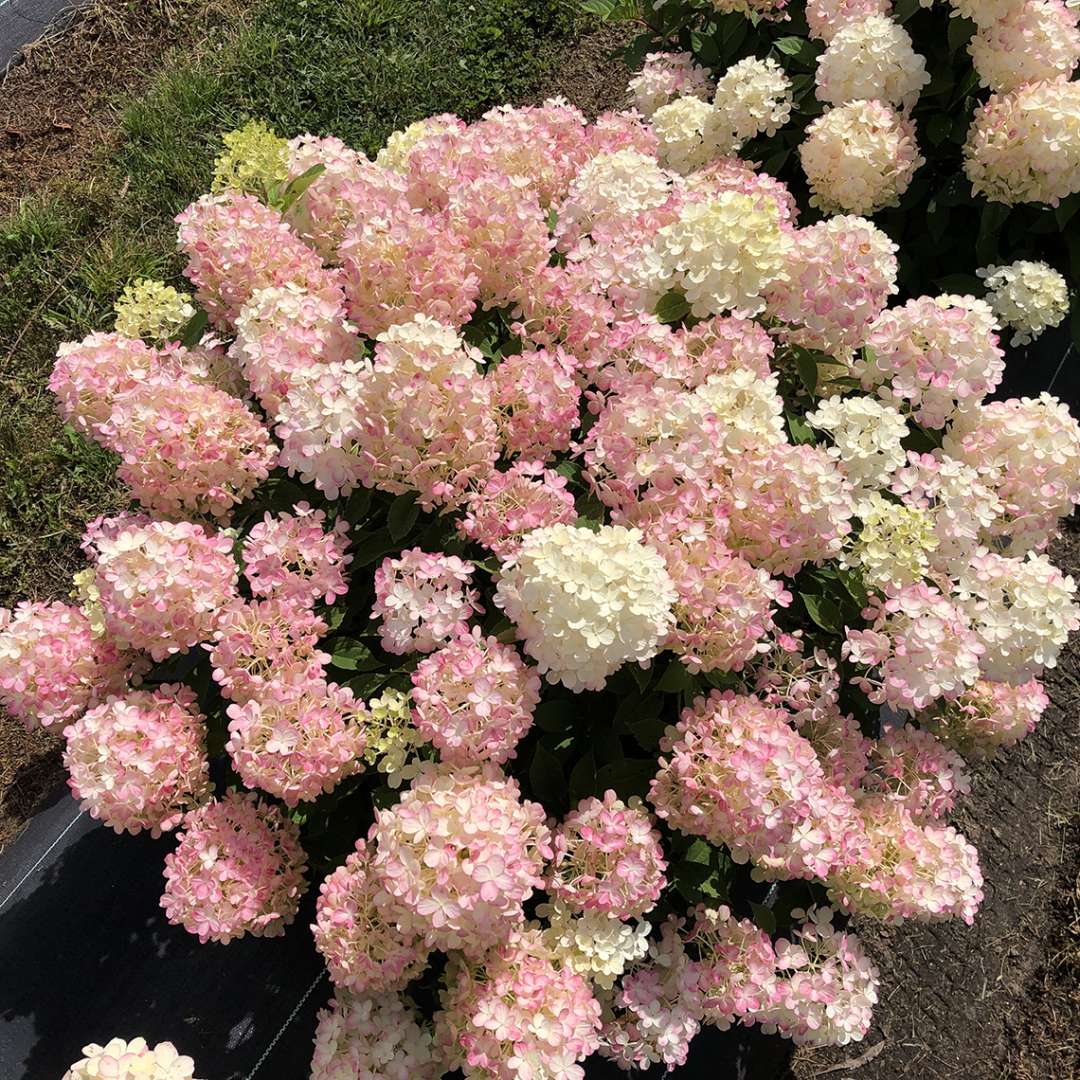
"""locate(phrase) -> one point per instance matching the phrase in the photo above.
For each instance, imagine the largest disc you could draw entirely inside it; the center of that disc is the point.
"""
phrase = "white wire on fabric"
(284, 1027)
(48, 851)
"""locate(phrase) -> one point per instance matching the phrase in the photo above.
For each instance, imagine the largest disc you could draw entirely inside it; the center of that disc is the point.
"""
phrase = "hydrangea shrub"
(954, 124)
(594, 601)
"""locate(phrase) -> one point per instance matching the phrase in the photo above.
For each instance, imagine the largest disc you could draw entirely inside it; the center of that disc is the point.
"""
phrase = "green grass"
(358, 69)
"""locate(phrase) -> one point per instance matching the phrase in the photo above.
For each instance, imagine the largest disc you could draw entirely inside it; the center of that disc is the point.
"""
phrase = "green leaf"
(961, 31)
(192, 334)
(546, 776)
(357, 507)
(672, 307)
(990, 225)
(764, 917)
(801, 432)
(351, 655)
(938, 128)
(583, 778)
(774, 164)
(296, 187)
(823, 611)
(801, 50)
(610, 10)
(402, 515)
(808, 369)
(675, 679)
(555, 716)
(627, 778)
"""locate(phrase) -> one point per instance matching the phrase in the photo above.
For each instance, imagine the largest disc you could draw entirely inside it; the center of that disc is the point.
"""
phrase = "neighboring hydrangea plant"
(531, 554)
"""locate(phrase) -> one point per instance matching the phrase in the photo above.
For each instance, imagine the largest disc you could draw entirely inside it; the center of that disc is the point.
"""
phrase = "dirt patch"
(30, 769)
(999, 1000)
(59, 99)
(589, 75)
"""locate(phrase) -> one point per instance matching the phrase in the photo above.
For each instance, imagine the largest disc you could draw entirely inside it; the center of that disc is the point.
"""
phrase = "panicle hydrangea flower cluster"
(161, 585)
(473, 699)
(597, 946)
(738, 775)
(423, 600)
(1024, 146)
(519, 1016)
(510, 505)
(296, 741)
(364, 950)
(608, 858)
(828, 986)
(54, 665)
(458, 856)
(152, 310)
(826, 18)
(1037, 41)
(989, 717)
(139, 761)
(893, 545)
(841, 274)
(295, 557)
(584, 603)
(390, 738)
(932, 356)
(915, 769)
(238, 869)
(381, 1035)
(752, 97)
(1028, 297)
(131, 1059)
(859, 157)
(871, 59)
(535, 396)
(665, 76)
(867, 437)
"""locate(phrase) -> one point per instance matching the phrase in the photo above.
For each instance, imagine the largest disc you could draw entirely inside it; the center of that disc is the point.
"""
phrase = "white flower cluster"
(665, 76)
(826, 18)
(866, 437)
(893, 546)
(871, 59)
(598, 946)
(859, 157)
(586, 602)
(120, 1059)
(753, 97)
(684, 130)
(1026, 296)
(723, 253)
(376, 1036)
(1037, 41)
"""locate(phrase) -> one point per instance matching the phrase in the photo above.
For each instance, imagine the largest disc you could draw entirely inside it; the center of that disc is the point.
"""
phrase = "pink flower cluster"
(238, 868)
(473, 699)
(608, 858)
(139, 762)
(53, 666)
(423, 600)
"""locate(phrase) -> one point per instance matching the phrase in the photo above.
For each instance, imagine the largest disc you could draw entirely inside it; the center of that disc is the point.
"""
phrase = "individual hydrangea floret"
(608, 858)
(871, 59)
(377, 1036)
(296, 557)
(161, 584)
(859, 158)
(665, 76)
(238, 868)
(134, 1059)
(1028, 297)
(54, 664)
(364, 950)
(473, 699)
(423, 600)
(296, 740)
(519, 1016)
(458, 856)
(586, 602)
(152, 310)
(139, 761)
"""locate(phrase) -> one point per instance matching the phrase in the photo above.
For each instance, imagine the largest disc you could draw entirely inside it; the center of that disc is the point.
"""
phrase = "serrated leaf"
(193, 332)
(297, 187)
(808, 369)
(402, 515)
(672, 307)
(801, 432)
(352, 655)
